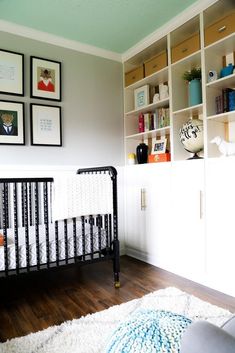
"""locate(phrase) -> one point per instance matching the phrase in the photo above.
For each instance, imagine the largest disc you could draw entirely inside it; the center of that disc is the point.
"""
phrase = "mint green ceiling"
(114, 25)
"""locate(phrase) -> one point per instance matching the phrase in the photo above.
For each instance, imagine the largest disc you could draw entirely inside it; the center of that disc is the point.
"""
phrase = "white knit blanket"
(81, 195)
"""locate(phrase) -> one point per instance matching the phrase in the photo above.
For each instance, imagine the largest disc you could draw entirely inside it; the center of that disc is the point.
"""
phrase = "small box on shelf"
(155, 64)
(163, 157)
(134, 75)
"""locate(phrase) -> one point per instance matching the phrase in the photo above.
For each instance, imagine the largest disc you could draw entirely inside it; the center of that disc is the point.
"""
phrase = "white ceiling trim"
(45, 37)
(177, 21)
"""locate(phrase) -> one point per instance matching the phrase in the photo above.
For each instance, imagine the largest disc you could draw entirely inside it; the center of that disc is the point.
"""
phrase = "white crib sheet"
(52, 244)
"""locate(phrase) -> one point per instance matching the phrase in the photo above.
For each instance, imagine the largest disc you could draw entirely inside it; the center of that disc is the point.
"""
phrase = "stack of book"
(153, 121)
(226, 101)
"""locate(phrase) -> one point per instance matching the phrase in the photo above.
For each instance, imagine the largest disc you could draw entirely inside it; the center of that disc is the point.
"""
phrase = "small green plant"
(190, 75)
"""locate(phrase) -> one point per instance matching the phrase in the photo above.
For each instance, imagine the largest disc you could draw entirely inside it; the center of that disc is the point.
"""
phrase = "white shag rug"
(89, 334)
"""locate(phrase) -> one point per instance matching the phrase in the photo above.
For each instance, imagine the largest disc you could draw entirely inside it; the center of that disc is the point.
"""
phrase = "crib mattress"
(82, 246)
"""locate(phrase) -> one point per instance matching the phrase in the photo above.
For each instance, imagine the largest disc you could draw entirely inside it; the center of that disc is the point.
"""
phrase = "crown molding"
(45, 37)
(168, 27)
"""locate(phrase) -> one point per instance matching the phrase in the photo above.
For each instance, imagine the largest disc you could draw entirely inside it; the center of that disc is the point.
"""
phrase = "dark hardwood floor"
(29, 304)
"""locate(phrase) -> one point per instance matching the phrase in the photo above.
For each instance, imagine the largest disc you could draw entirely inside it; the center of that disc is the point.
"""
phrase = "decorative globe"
(191, 135)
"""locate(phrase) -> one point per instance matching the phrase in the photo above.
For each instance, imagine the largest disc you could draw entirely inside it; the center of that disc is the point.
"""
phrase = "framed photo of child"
(159, 146)
(45, 79)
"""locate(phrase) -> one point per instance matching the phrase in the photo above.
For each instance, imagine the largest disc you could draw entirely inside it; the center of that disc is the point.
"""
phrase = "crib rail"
(33, 242)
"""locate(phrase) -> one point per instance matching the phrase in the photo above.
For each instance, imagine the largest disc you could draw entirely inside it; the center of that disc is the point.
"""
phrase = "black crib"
(33, 242)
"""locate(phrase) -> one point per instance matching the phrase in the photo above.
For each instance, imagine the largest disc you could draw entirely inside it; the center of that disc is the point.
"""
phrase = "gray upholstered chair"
(203, 337)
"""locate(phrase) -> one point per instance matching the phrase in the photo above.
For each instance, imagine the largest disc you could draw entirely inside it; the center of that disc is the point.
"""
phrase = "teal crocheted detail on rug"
(149, 331)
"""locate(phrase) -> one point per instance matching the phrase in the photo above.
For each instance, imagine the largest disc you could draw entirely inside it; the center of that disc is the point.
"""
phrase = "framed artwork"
(12, 123)
(11, 73)
(159, 146)
(141, 95)
(45, 125)
(45, 79)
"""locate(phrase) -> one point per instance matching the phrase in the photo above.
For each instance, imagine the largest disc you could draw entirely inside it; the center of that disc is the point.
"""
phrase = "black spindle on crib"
(15, 203)
(36, 213)
(5, 223)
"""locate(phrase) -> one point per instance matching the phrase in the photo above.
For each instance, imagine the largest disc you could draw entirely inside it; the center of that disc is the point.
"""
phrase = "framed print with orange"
(45, 79)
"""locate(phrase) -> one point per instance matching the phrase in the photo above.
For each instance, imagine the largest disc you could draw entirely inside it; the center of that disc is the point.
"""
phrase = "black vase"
(142, 153)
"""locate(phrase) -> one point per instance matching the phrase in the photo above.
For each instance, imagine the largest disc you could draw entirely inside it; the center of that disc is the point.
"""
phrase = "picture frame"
(141, 96)
(159, 145)
(12, 126)
(45, 125)
(11, 73)
(45, 79)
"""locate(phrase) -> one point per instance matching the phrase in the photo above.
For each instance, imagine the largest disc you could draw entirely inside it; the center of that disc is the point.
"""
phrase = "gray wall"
(92, 108)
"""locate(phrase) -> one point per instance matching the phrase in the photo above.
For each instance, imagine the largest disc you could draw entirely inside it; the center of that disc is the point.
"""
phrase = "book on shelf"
(141, 122)
(163, 117)
(226, 101)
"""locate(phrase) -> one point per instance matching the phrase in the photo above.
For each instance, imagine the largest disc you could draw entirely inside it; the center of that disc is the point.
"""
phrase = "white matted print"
(45, 79)
(12, 123)
(141, 96)
(46, 125)
(11, 73)
(159, 146)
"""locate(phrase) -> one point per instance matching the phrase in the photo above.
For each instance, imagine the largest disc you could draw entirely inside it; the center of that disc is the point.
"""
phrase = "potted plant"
(193, 78)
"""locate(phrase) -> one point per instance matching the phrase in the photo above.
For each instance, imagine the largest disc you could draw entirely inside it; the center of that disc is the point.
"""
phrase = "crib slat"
(99, 219)
(5, 225)
(36, 213)
(22, 204)
(75, 239)
(91, 222)
(30, 205)
(45, 206)
(15, 206)
(110, 230)
(26, 222)
(83, 239)
(57, 242)
(66, 240)
(106, 230)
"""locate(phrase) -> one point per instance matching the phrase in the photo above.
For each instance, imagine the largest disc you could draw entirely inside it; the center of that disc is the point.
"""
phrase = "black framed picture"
(45, 125)
(45, 79)
(12, 131)
(11, 73)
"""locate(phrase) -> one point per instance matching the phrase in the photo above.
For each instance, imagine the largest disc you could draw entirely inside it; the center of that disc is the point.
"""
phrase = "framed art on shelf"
(11, 73)
(159, 146)
(45, 79)
(45, 125)
(141, 95)
(12, 123)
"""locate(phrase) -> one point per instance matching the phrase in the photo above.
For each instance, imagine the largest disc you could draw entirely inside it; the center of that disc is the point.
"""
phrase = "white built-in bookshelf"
(208, 57)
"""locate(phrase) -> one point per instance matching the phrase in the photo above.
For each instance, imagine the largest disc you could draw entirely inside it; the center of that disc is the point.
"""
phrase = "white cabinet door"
(187, 242)
(158, 213)
(135, 218)
(146, 227)
(220, 210)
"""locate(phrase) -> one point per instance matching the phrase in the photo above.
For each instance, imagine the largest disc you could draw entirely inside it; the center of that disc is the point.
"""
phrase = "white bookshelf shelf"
(224, 82)
(150, 134)
(149, 108)
(189, 111)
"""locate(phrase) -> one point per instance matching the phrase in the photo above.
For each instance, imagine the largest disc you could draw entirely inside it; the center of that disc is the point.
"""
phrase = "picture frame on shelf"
(12, 127)
(45, 125)
(141, 96)
(159, 145)
(11, 73)
(45, 79)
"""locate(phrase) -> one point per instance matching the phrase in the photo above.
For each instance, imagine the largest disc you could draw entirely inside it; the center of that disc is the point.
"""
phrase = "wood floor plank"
(29, 304)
